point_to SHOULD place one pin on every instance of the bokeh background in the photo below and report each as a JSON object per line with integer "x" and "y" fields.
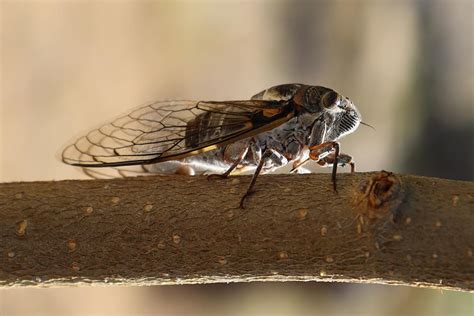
{"x": 67, "y": 66}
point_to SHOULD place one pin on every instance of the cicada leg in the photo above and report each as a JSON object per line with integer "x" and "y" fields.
{"x": 342, "y": 160}
{"x": 318, "y": 152}
{"x": 231, "y": 168}
{"x": 298, "y": 164}
{"x": 266, "y": 154}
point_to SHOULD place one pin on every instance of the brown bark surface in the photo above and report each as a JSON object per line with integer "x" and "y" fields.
{"x": 378, "y": 228}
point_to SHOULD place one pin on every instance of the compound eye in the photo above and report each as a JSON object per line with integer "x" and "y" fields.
{"x": 330, "y": 99}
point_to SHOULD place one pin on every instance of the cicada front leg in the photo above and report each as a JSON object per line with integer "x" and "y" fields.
{"x": 327, "y": 161}
{"x": 342, "y": 160}
{"x": 320, "y": 151}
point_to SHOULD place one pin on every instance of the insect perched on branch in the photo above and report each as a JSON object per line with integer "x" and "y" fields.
{"x": 290, "y": 123}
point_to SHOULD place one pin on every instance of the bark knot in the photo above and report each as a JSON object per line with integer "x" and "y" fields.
{"x": 379, "y": 196}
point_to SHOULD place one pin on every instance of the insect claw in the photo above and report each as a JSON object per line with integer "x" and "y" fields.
{"x": 352, "y": 164}
{"x": 246, "y": 195}
{"x": 241, "y": 204}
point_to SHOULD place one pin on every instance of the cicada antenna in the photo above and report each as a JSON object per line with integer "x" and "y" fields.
{"x": 368, "y": 125}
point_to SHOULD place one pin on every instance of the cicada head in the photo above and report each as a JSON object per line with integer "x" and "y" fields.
{"x": 339, "y": 113}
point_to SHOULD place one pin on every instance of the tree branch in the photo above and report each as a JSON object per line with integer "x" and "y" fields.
{"x": 379, "y": 228}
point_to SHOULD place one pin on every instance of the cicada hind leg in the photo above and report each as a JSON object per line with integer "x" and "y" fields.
{"x": 235, "y": 153}
{"x": 327, "y": 154}
{"x": 239, "y": 152}
{"x": 235, "y": 162}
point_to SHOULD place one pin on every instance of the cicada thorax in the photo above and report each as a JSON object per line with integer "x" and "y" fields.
{"x": 282, "y": 92}
{"x": 322, "y": 115}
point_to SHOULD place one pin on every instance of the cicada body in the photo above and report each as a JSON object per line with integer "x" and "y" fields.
{"x": 290, "y": 123}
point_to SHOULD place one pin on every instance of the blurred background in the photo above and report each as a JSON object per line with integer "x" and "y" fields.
{"x": 67, "y": 66}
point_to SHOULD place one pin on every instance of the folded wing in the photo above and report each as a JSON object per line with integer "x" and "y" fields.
{"x": 172, "y": 130}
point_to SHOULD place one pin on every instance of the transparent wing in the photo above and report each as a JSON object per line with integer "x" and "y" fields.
{"x": 171, "y": 130}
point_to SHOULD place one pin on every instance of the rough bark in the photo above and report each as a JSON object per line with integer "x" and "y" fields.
{"x": 378, "y": 228}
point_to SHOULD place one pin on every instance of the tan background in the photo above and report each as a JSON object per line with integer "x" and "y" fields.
{"x": 67, "y": 66}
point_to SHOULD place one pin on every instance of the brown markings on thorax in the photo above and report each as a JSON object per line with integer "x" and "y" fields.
{"x": 299, "y": 97}
{"x": 271, "y": 112}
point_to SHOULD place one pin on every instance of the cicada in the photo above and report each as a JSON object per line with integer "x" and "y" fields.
{"x": 289, "y": 123}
